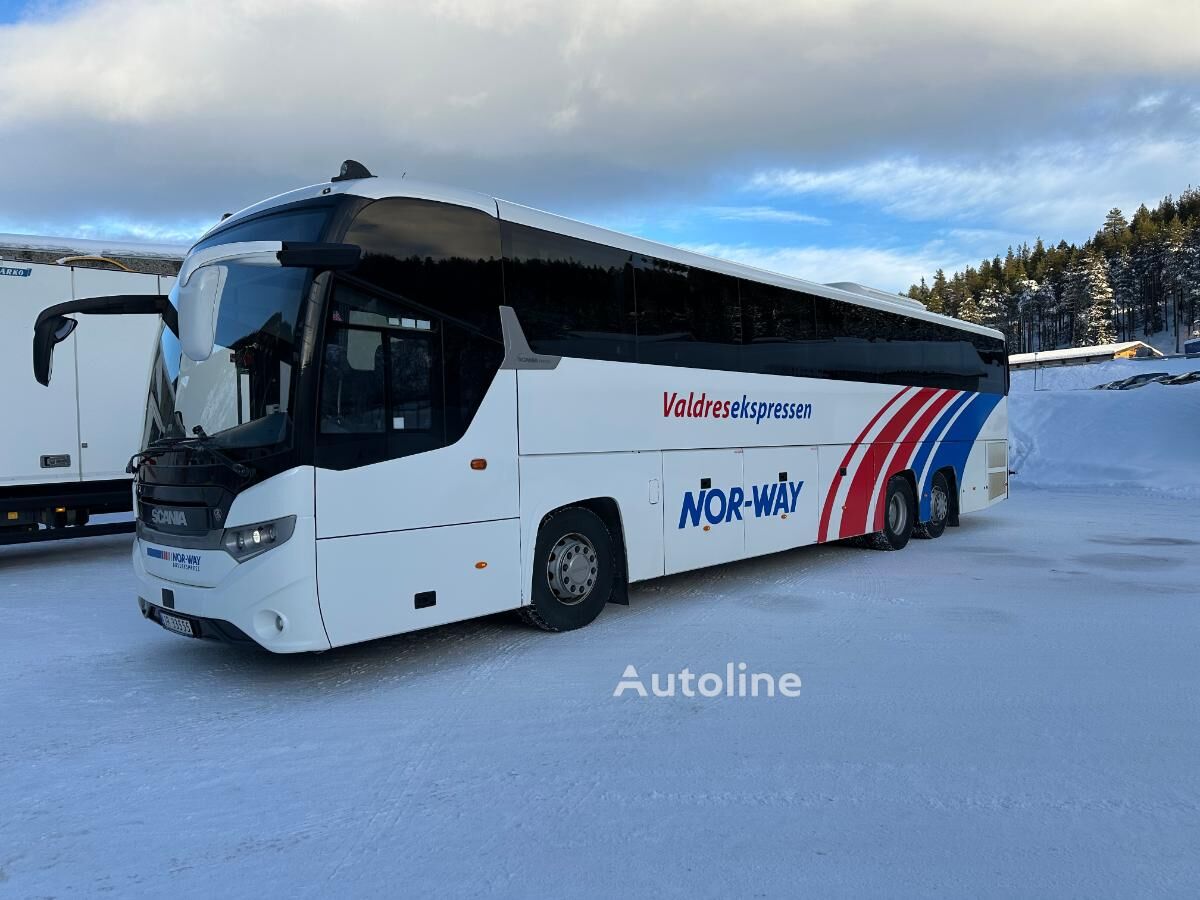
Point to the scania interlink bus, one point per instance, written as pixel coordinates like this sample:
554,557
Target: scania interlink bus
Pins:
380,406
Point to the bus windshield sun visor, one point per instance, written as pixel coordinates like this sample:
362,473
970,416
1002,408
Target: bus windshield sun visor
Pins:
53,327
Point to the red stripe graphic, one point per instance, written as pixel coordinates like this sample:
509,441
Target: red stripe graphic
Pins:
854,517
827,511
910,442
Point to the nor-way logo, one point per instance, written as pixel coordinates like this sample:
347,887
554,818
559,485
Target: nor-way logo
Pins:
715,505
177,559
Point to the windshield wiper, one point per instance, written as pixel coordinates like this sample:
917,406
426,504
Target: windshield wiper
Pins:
201,442
204,442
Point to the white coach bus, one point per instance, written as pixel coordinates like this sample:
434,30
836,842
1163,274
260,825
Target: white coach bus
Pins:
381,406
63,452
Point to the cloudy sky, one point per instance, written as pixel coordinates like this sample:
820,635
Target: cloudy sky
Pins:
834,140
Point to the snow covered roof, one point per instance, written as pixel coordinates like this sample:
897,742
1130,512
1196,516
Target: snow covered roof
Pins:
1101,350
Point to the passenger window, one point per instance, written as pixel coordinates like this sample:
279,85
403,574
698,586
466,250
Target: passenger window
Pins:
352,394
686,316
382,390
572,297
412,383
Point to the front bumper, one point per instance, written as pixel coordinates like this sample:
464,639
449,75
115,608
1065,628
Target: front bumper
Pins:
208,629
270,600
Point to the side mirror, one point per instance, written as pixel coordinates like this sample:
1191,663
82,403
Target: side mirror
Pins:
199,303
53,327
47,334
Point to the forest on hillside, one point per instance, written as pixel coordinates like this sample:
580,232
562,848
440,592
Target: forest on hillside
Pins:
1135,278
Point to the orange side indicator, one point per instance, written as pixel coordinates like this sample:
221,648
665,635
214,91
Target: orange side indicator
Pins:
783,515
708,528
479,464
481,565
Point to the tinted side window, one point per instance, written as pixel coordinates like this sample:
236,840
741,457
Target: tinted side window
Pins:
686,316
382,391
572,297
442,263
780,332
860,343
442,256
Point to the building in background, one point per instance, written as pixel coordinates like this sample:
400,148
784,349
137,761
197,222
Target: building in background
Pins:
1079,356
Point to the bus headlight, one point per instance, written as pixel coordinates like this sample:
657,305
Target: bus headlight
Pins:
247,541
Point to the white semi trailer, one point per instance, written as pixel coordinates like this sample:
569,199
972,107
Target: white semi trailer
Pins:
64,450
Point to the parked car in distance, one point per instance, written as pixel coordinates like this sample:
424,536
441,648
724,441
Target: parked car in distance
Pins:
1135,381
1185,378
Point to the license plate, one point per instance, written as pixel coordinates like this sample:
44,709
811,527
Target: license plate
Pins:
177,624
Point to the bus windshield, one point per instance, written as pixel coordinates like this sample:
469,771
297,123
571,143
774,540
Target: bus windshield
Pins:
242,394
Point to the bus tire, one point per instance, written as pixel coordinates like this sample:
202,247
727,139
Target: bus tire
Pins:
899,516
939,509
574,571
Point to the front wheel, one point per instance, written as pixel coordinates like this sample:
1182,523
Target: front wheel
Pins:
939,509
899,516
574,571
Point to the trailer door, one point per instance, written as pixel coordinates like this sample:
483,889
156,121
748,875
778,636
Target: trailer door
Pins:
39,438
114,355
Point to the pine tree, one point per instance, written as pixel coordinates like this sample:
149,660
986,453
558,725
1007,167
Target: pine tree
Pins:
1120,277
991,309
968,309
1098,327
1115,234
1027,314
1045,302
1174,266
1074,305
937,293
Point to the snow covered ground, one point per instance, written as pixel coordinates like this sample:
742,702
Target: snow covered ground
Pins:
1064,434
1010,710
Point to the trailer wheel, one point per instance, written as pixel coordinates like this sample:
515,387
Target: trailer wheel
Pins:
899,516
939,509
573,571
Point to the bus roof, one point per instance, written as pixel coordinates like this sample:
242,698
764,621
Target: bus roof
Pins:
378,188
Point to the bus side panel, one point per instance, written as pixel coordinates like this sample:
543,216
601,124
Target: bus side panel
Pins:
375,585
114,355
40,421
704,517
633,480
782,493
973,492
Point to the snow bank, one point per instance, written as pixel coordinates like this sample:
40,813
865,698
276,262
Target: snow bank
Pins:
1077,378
1145,438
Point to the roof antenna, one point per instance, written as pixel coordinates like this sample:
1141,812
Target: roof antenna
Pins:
351,170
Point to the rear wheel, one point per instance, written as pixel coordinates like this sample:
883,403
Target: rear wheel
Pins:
574,571
939,509
899,516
